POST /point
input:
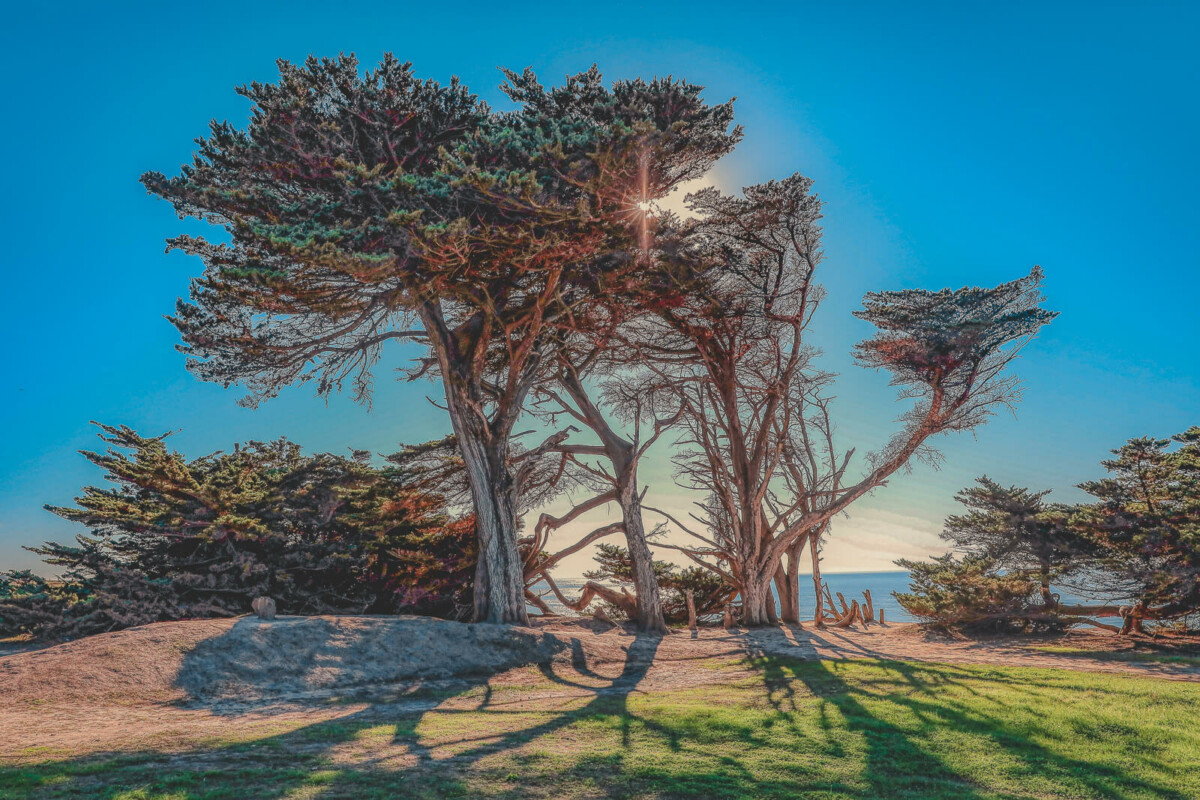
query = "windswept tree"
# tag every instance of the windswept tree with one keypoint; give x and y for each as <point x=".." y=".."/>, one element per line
<point x="758" y="437"/>
<point x="363" y="209"/>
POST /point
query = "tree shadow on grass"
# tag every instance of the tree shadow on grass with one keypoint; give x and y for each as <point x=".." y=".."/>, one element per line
<point x="901" y="759"/>
<point x="584" y="737"/>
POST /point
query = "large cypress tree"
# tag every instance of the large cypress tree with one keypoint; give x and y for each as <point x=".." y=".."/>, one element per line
<point x="363" y="209"/>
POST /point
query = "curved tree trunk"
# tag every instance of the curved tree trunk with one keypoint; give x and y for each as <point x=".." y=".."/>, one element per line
<point x="649" y="614"/>
<point x="591" y="590"/>
<point x="624" y="455"/>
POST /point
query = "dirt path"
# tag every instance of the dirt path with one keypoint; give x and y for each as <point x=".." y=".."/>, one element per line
<point x="132" y="687"/>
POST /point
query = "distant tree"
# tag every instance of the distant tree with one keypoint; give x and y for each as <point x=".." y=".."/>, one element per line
<point x="369" y="208"/>
<point x="1017" y="532"/>
<point x="1146" y="524"/>
<point x="710" y="593"/>
<point x="175" y="538"/>
<point x="971" y="593"/>
<point x="1010" y="547"/>
<point x="756" y="414"/>
<point x="1138" y="543"/>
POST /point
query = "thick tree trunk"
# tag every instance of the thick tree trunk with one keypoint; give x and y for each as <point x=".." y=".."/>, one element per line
<point x="758" y="607"/>
<point x="787" y="583"/>
<point x="481" y="584"/>
<point x="483" y="444"/>
<point x="788" y="613"/>
<point x="492" y="490"/>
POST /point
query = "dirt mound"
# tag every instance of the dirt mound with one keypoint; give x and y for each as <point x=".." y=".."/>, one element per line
<point x="250" y="660"/>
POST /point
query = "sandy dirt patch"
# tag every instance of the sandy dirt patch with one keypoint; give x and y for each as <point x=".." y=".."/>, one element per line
<point x="166" y="687"/>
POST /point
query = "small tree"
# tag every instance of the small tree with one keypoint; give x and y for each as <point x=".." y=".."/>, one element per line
<point x="1017" y="532"/>
<point x="1137" y="544"/>
<point x="970" y="593"/>
<point x="1011" y="546"/>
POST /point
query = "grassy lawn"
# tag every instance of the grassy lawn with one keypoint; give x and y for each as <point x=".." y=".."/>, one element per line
<point x="1133" y="657"/>
<point x="785" y="729"/>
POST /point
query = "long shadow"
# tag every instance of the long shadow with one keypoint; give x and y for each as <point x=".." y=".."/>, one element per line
<point x="328" y="758"/>
<point x="303" y="758"/>
<point x="898" y="763"/>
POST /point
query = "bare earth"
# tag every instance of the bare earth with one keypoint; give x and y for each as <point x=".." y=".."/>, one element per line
<point x="170" y="686"/>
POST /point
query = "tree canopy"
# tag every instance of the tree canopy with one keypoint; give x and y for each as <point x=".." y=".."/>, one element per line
<point x="368" y="208"/>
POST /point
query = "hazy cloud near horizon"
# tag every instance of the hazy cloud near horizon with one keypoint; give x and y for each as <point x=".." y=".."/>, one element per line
<point x="867" y="539"/>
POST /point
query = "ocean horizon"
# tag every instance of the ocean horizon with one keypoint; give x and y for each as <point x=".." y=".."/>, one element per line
<point x="850" y="584"/>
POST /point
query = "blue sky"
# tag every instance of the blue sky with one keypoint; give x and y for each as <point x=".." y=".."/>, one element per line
<point x="953" y="144"/>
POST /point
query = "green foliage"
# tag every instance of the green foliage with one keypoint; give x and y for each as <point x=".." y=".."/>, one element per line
<point x="1139" y="543"/>
<point x="709" y="592"/>
<point x="356" y="202"/>
<point x="1146" y="522"/>
<point x="954" y="344"/>
<point x="173" y="538"/>
<point x="969" y="593"/>
<point x="1020" y="533"/>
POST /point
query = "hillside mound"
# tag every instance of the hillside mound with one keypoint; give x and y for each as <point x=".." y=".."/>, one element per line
<point x="250" y="660"/>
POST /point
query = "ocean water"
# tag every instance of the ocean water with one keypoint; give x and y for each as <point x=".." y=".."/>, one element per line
<point x="850" y="584"/>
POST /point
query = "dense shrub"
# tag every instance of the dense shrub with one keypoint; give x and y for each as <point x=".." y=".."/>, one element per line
<point x="970" y="594"/>
<point x="709" y="592"/>
<point x="173" y="538"/>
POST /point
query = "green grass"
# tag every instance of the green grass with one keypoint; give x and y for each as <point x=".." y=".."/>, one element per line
<point x="787" y="729"/>
<point x="1131" y="656"/>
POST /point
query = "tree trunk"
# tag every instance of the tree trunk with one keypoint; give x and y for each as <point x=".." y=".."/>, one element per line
<point x="645" y="585"/>
<point x="788" y="613"/>
<point x="787" y="583"/>
<point x="501" y="598"/>
<point x="819" y="613"/>
<point x="756" y="594"/>
<point x="591" y="590"/>
<point x="623" y="455"/>
<point x="496" y="525"/>
<point x="483" y="444"/>
<point x="480" y="590"/>
<point x="1047" y="596"/>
